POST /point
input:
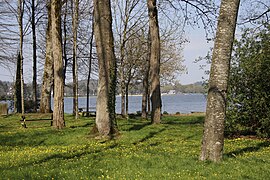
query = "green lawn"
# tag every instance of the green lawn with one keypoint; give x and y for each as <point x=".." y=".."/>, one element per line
<point x="142" y="151"/>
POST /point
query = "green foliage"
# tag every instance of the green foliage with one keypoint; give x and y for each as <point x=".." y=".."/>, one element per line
<point x="249" y="95"/>
<point x="165" y="112"/>
<point x="197" y="87"/>
<point x="143" y="151"/>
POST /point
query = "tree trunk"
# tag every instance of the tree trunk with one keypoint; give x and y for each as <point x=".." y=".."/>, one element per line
<point x="33" y="22"/>
<point x="75" y="20"/>
<point x="123" y="93"/>
<point x="90" y="67"/>
<point x="122" y="67"/>
<point x="146" y="82"/>
<point x="126" y="95"/>
<point x="17" y="97"/>
<point x="105" y="115"/>
<point x="154" y="62"/>
<point x="20" y="18"/>
<point x="58" y="110"/>
<point x="65" y="41"/>
<point x="45" y="102"/>
<point x="213" y="137"/>
<point x="144" y="95"/>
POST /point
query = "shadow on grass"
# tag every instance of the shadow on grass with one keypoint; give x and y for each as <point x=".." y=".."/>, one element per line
<point x="70" y="155"/>
<point x="149" y="136"/>
<point x="7" y="115"/>
<point x="85" y="125"/>
<point x="25" y="138"/>
<point x="192" y="121"/>
<point x="137" y="127"/>
<point x="242" y="151"/>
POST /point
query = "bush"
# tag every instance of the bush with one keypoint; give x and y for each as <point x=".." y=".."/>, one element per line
<point x="248" y="107"/>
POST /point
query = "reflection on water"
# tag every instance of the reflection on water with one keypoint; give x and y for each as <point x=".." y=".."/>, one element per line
<point x="183" y="103"/>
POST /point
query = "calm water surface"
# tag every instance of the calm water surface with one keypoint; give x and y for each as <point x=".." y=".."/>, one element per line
<point x="183" y="103"/>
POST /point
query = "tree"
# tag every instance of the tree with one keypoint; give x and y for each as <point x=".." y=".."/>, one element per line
<point x="33" y="23"/>
<point x="75" y="21"/>
<point x="20" y="21"/>
<point x="90" y="67"/>
<point x="105" y="108"/>
<point x="45" y="102"/>
<point x="145" y="94"/>
<point x="154" y="62"/>
<point x="248" y="95"/>
<point x="58" y="110"/>
<point x="213" y="137"/>
<point x="17" y="93"/>
<point x="129" y="17"/>
<point x="65" y="40"/>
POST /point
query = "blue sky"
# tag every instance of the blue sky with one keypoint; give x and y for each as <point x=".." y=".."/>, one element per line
<point x="197" y="46"/>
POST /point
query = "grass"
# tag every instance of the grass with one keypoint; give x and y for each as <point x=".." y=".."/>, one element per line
<point x="143" y="151"/>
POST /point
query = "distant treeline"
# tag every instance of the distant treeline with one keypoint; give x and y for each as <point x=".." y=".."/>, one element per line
<point x="177" y="88"/>
<point x="6" y="89"/>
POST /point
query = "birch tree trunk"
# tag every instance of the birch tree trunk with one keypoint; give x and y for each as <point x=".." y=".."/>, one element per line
<point x="45" y="102"/>
<point x="105" y="115"/>
<point x="213" y="137"/>
<point x="58" y="110"/>
<point x="75" y="20"/>
<point x="154" y="62"/>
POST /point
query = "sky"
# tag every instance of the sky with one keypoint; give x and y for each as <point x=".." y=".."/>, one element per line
<point x="6" y="75"/>
<point x="196" y="47"/>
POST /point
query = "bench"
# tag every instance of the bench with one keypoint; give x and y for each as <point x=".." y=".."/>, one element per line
<point x="91" y="112"/>
<point x="36" y="117"/>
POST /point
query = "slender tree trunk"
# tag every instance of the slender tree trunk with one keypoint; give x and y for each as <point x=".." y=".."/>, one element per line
<point x="105" y="117"/>
<point x="123" y="94"/>
<point x="148" y="102"/>
<point x="145" y="95"/>
<point x="58" y="110"/>
<point x="45" y="102"/>
<point x="65" y="41"/>
<point x="90" y="67"/>
<point x="17" y="97"/>
<point x="75" y="20"/>
<point x="122" y="68"/>
<point x="146" y="82"/>
<point x="154" y="62"/>
<point x="20" y="18"/>
<point x="213" y="137"/>
<point x="126" y="95"/>
<point x="129" y="76"/>
<point x="33" y="22"/>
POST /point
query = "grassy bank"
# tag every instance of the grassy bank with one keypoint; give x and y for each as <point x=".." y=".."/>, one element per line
<point x="143" y="151"/>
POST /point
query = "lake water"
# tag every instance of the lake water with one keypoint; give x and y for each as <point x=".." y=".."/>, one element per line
<point x="183" y="103"/>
